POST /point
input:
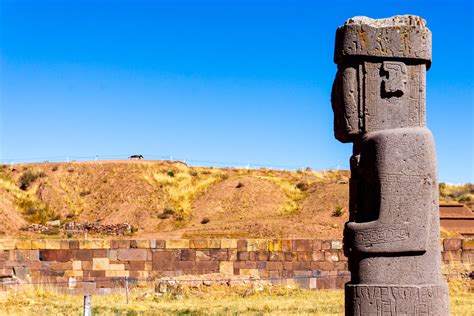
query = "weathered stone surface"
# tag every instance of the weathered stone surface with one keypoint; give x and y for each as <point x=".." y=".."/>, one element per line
<point x="82" y="255"/>
<point x="229" y="243"/>
<point x="392" y="237"/>
<point x="132" y="254"/>
<point x="165" y="260"/>
<point x="226" y="267"/>
<point x="452" y="244"/>
<point x="100" y="264"/>
<point x="6" y="244"/>
<point x="399" y="37"/>
<point x="23" y="244"/>
<point x="198" y="243"/>
<point x="177" y="244"/>
<point x="468" y="244"/>
<point x="302" y="245"/>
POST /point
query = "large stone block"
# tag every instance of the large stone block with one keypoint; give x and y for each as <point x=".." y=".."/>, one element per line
<point x="229" y="243"/>
<point x="304" y="256"/>
<point x="207" y="266"/>
<point x="165" y="260"/>
<point x="6" y="244"/>
<point x="100" y="264"/>
<point x="198" y="244"/>
<point x="242" y="245"/>
<point x="203" y="255"/>
<point x="140" y="243"/>
<point x="137" y="266"/>
<point x="132" y="254"/>
<point x="24" y="244"/>
<point x="73" y="273"/>
<point x="94" y="244"/>
<point x="82" y="254"/>
<point x="188" y="255"/>
<point x="117" y="266"/>
<point x="47" y="255"/>
<point x="177" y="244"/>
<point x="250" y="272"/>
<point x="218" y="254"/>
<point x="274" y="265"/>
<point x="468" y="244"/>
<point x="452" y="244"/>
<point x="77" y="265"/>
<point x="303" y="245"/>
<point x="63" y="255"/>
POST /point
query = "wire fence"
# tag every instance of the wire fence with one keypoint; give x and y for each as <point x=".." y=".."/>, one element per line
<point x="191" y="162"/>
<point x="125" y="283"/>
<point x="466" y="275"/>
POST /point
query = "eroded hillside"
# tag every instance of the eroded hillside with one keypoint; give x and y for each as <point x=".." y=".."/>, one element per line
<point x="170" y="199"/>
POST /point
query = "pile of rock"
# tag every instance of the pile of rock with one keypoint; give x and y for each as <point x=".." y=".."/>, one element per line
<point x="108" y="229"/>
<point x="36" y="228"/>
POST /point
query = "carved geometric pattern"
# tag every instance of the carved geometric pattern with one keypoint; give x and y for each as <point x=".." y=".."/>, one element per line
<point x="396" y="76"/>
<point x="395" y="300"/>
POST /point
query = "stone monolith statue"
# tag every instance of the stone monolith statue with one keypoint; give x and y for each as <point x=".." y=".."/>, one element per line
<point x="392" y="236"/>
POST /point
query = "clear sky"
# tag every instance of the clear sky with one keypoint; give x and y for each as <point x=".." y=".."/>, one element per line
<point x="226" y="81"/>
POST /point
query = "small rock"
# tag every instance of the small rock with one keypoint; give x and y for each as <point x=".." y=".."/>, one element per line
<point x="56" y="223"/>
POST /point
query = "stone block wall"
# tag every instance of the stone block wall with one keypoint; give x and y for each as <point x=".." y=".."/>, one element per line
<point x="105" y="263"/>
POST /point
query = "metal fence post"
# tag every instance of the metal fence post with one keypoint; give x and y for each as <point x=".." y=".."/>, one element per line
<point x="87" y="305"/>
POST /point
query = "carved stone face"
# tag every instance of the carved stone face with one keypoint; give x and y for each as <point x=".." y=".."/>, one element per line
<point x="377" y="95"/>
<point x="345" y="104"/>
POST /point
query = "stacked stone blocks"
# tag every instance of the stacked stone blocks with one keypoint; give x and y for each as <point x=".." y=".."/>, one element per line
<point x="107" y="262"/>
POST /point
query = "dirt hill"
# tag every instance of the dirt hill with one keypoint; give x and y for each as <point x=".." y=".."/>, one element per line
<point x="170" y="199"/>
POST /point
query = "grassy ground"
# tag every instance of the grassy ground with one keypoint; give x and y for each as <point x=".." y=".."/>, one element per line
<point x="461" y="193"/>
<point x="215" y="300"/>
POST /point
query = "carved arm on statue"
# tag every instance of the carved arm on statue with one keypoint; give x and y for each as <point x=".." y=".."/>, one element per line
<point x="396" y="193"/>
<point x="374" y="237"/>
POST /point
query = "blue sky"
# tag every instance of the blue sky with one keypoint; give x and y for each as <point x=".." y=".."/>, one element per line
<point x="226" y="81"/>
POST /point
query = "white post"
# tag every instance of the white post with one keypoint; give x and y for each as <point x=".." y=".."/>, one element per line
<point x="126" y="288"/>
<point x="87" y="305"/>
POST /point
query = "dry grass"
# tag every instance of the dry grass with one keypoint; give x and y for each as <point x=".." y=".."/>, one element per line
<point x="215" y="300"/>
<point x="293" y="195"/>
<point x="26" y="202"/>
<point x="182" y="184"/>
<point x="452" y="193"/>
<point x="444" y="233"/>
<point x="294" y="185"/>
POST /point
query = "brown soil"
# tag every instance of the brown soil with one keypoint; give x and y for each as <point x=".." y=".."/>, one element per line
<point x="245" y="203"/>
<point x="10" y="220"/>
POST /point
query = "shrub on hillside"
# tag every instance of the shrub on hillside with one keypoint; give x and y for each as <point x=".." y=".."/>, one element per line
<point x="338" y="211"/>
<point x="302" y="186"/>
<point x="167" y="213"/>
<point x="29" y="177"/>
<point x="84" y="193"/>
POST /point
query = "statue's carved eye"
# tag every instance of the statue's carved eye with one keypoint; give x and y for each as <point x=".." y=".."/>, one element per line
<point x="393" y="85"/>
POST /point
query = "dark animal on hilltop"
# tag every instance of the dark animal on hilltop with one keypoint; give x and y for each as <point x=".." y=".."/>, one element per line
<point x="135" y="157"/>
